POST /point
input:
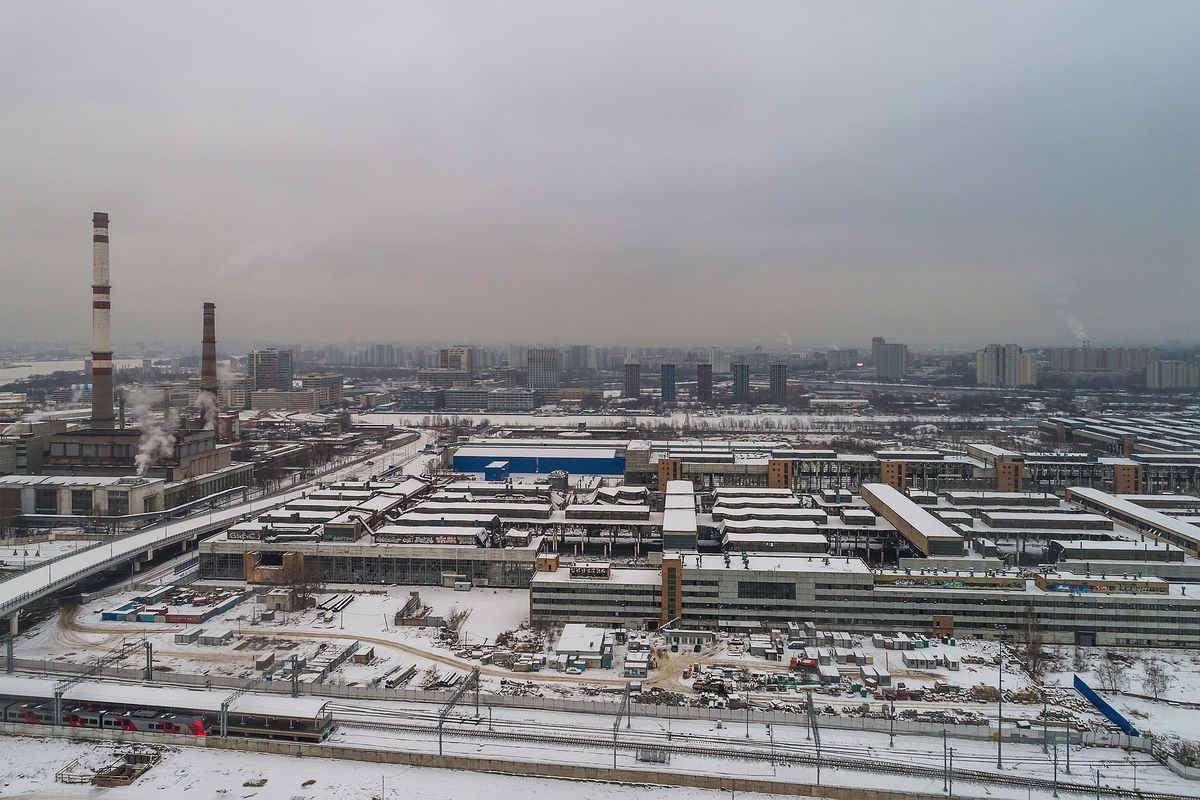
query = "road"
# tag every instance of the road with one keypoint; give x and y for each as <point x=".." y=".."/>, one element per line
<point x="52" y="576"/>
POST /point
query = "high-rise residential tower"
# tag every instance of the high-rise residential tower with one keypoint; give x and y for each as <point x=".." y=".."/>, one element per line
<point x="667" y="382"/>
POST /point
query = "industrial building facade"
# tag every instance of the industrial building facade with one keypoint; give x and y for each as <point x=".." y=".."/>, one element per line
<point x="751" y="593"/>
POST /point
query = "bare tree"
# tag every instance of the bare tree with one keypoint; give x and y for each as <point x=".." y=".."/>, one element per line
<point x="1031" y="650"/>
<point x="1156" y="678"/>
<point x="1078" y="659"/>
<point x="304" y="578"/>
<point x="455" y="619"/>
<point x="1112" y="673"/>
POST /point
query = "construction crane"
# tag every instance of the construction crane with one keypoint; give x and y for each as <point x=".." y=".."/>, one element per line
<point x="120" y="653"/>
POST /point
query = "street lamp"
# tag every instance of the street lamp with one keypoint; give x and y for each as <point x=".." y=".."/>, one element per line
<point x="1000" y="704"/>
<point x="892" y="726"/>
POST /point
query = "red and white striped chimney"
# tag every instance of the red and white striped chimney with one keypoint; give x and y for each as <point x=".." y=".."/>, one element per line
<point x="102" y="372"/>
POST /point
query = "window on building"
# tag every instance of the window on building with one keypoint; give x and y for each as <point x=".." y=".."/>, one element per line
<point x="45" y="501"/>
<point x="81" y="501"/>
<point x="767" y="590"/>
<point x="118" y="503"/>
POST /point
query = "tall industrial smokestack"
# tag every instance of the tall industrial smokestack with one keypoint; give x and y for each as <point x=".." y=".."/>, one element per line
<point x="208" y="357"/>
<point x="102" y="377"/>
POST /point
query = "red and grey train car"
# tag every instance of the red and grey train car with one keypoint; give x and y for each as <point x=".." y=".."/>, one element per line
<point x="163" y="709"/>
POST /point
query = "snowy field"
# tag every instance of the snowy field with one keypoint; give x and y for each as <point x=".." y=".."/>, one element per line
<point x="21" y="556"/>
<point x="79" y="634"/>
<point x="28" y="768"/>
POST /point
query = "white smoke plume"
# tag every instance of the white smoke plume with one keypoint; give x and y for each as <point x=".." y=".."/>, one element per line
<point x="787" y="337"/>
<point x="1072" y="324"/>
<point x="157" y="439"/>
<point x="208" y="409"/>
<point x="76" y="393"/>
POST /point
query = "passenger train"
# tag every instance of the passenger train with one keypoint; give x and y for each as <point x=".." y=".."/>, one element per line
<point x="164" y="709"/>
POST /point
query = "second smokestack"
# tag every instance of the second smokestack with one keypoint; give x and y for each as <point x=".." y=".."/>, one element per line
<point x="208" y="356"/>
<point x="102" y="371"/>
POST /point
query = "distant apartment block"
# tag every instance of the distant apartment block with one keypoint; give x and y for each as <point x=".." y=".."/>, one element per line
<point x="1102" y="359"/>
<point x="633" y="380"/>
<point x="704" y="382"/>
<point x="891" y="360"/>
<point x="1005" y="365"/>
<point x="271" y="369"/>
<point x="328" y="387"/>
<point x="542" y="364"/>
<point x="1173" y="375"/>
<point x="667" y="382"/>
<point x="458" y="358"/>
<point x="741" y="382"/>
<point x="779" y="383"/>
<point x="446" y="378"/>
<point x="275" y="400"/>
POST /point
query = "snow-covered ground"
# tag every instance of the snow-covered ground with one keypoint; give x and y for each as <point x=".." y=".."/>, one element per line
<point x="29" y="765"/>
<point x="22" y="556"/>
<point x="80" y="635"/>
<point x="761" y="421"/>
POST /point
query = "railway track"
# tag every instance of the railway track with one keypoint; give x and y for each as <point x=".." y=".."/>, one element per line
<point x="783" y="753"/>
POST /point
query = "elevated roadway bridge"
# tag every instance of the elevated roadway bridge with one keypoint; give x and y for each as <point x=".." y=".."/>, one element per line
<point x="58" y="574"/>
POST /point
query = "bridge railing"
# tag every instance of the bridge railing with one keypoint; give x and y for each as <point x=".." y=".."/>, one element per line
<point x="167" y="538"/>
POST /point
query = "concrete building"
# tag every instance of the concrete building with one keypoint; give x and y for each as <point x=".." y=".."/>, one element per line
<point x="444" y="378"/>
<point x="512" y="400"/>
<point x="741" y="383"/>
<point x="28" y="445"/>
<point x="277" y="400"/>
<point x="891" y="360"/>
<point x="1101" y="359"/>
<point x="750" y="592"/>
<point x="458" y="357"/>
<point x="667" y="382"/>
<point x="79" y="496"/>
<point x="466" y="398"/>
<point x="327" y="386"/>
<point x="779" y="383"/>
<point x="704" y="374"/>
<point x="633" y="381"/>
<point x="543" y="368"/>
<point x="1162" y="375"/>
<point x="579" y="357"/>
<point x="1005" y="365"/>
<point x="271" y="369"/>
<point x="876" y="343"/>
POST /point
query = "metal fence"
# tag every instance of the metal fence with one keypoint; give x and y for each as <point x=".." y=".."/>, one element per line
<point x="607" y="708"/>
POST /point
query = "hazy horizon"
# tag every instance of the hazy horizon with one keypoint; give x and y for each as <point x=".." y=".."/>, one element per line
<point x="622" y="173"/>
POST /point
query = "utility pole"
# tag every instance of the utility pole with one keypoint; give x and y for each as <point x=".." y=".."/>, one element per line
<point x="1045" y="741"/>
<point x="892" y="726"/>
<point x="1056" y="769"/>
<point x="945" y="763"/>
<point x="1000" y="711"/>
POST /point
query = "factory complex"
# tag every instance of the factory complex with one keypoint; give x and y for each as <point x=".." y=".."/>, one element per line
<point x="1091" y="567"/>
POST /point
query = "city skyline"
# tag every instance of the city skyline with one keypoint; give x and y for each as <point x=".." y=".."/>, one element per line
<point x="762" y="174"/>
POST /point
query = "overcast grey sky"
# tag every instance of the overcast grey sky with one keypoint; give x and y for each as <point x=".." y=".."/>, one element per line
<point x="644" y="172"/>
